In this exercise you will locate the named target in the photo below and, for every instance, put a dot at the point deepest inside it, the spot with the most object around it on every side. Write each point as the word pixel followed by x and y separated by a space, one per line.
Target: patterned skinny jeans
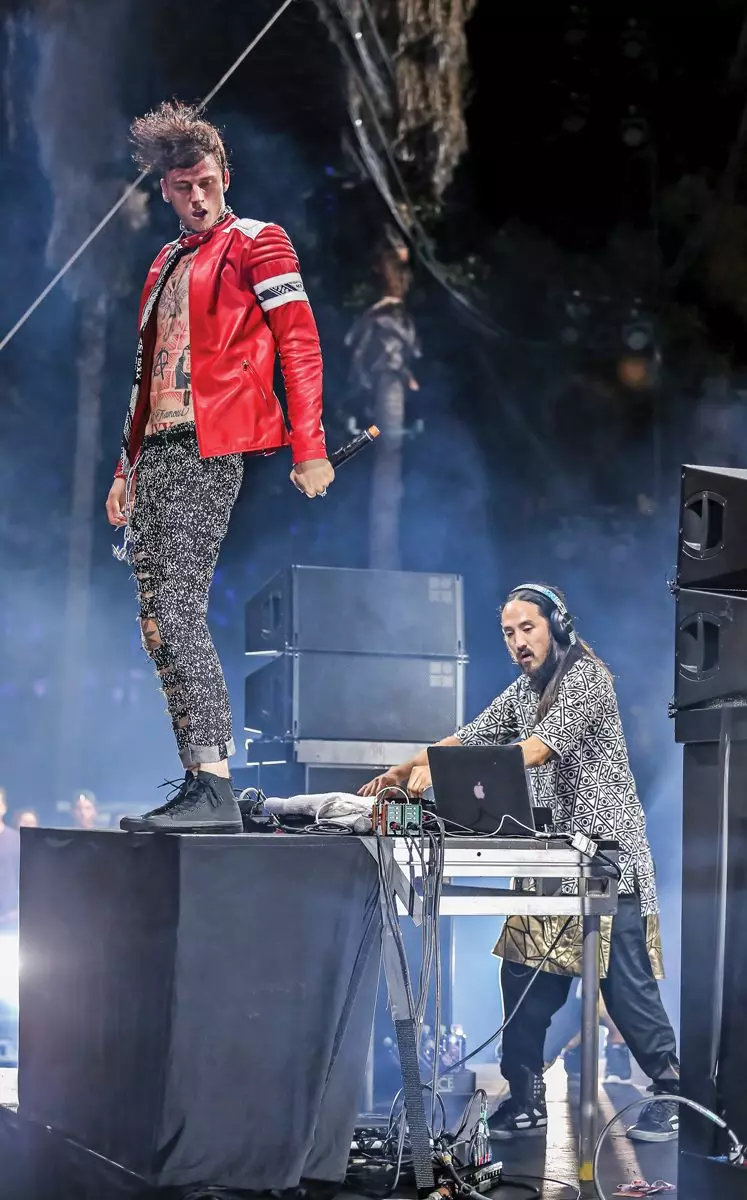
pixel 180 516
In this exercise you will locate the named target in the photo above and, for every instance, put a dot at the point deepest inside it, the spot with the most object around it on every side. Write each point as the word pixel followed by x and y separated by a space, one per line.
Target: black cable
pixel 393 1119
pixel 455 1066
pixel 469 1192
pixel 385 57
pixel 539 836
pixel 416 236
pixel 606 859
pixel 514 1179
pixel 334 830
pixel 514 1182
pixel 467 1109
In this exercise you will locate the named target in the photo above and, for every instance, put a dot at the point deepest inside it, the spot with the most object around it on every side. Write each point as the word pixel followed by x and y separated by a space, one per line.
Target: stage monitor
pixel 711 649
pixel 712 551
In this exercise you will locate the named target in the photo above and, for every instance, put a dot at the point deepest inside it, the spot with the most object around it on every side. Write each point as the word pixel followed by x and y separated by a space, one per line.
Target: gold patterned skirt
pixel 527 940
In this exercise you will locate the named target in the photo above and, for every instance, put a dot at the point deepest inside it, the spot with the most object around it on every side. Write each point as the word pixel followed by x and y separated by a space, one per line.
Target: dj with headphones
pixel 562 711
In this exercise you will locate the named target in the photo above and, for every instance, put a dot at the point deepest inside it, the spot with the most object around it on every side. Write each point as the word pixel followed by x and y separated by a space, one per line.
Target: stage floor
pixel 622 1160
pixel 556 1157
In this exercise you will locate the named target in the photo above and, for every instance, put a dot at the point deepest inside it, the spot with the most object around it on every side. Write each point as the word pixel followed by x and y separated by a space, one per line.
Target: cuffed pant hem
pixel 193 755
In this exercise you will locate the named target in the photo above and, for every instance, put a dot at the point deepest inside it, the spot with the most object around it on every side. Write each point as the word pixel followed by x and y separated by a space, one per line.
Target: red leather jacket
pixel 246 302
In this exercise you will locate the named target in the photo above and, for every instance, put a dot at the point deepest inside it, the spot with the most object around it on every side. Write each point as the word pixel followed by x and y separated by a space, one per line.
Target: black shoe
pixel 522 1114
pixel 205 803
pixel 659 1122
pixel 617 1063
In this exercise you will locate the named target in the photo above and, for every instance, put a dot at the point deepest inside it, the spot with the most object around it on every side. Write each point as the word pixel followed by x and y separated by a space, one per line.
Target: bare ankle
pixel 216 768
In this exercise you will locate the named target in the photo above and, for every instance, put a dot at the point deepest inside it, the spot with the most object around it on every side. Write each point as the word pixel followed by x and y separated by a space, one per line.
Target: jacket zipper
pixel 189 319
pixel 248 367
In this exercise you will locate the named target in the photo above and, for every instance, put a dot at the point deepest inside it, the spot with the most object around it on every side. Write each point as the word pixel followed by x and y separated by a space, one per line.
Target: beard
pixel 541 676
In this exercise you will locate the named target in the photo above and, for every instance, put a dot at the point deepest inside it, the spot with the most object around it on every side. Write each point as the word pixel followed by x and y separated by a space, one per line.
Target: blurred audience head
pixel 85 812
pixel 26 818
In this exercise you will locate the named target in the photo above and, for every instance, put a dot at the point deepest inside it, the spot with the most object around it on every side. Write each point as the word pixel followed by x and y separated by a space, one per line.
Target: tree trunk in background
pixel 387 487
pixel 74 659
pixel 406 70
pixel 429 45
pixel 384 346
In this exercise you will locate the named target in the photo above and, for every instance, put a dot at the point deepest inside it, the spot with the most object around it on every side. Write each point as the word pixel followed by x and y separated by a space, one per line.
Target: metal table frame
pixel 522 858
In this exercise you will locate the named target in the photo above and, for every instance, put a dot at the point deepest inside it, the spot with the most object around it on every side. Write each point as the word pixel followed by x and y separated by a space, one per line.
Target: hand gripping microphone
pixel 338 457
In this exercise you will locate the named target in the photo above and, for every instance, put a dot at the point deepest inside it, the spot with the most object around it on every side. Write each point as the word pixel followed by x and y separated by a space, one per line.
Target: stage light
pixel 577 115
pixel 9 970
pixel 634 129
pixel 634 40
pixel 639 335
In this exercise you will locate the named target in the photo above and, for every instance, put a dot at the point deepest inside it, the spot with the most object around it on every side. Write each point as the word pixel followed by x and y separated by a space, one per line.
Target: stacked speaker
pixel 349 670
pixel 710 710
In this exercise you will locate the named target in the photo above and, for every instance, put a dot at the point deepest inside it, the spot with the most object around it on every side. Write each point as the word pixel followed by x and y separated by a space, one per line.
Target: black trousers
pixel 630 993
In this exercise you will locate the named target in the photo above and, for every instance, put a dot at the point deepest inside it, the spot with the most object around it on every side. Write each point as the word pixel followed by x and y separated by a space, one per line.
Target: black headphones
pixel 561 621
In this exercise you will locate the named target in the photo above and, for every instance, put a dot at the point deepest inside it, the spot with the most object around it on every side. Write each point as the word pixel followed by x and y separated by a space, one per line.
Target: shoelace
pixel 194 794
pixel 182 787
pixel 659 1110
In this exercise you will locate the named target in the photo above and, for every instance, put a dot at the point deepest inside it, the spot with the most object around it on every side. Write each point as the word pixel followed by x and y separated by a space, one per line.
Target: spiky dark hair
pixel 174 135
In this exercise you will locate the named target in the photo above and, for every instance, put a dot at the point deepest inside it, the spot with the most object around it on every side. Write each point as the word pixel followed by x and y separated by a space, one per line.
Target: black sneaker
pixel 523 1114
pixel 659 1122
pixel 617 1063
pixel 204 804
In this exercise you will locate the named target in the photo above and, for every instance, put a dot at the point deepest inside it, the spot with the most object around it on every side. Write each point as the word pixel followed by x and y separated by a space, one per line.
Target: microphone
pixel 340 456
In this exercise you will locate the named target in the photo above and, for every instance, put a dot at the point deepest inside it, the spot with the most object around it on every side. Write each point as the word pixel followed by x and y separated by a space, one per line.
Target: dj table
pixel 543 861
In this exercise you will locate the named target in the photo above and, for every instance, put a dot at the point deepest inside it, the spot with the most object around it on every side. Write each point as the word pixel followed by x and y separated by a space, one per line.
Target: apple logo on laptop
pixel 479 791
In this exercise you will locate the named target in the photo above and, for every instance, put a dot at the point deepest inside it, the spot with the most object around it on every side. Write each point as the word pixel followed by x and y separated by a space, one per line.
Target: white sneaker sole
pixel 643 1135
pixel 505 1135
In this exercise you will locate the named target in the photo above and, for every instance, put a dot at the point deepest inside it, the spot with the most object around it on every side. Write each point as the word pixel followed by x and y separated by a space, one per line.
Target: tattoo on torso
pixel 171 377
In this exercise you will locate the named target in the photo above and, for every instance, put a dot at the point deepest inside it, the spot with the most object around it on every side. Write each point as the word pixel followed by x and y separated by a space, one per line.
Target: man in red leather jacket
pixel 217 306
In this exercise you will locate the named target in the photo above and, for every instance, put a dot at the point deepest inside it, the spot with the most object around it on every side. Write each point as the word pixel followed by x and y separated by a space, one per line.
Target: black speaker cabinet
pixel 355 697
pixel 713 1032
pixel 357 612
pixel 711 648
pixel 712 550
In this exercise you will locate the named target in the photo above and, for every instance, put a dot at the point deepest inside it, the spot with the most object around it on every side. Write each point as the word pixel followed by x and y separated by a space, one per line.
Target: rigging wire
pixel 136 183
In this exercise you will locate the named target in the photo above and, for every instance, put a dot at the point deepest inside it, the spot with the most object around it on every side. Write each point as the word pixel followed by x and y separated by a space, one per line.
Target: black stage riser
pixel 701 926
pixel 37 1165
pixel 199 1009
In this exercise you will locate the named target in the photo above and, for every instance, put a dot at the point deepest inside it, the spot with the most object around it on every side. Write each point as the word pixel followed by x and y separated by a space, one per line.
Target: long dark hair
pixel 564 655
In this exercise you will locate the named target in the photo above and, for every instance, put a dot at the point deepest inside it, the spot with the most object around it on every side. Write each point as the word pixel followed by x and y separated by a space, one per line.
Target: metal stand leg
pixel 400 999
pixel 589 1046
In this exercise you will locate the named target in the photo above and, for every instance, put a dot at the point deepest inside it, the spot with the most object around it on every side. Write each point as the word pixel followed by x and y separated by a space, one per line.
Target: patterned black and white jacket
pixel 588 782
